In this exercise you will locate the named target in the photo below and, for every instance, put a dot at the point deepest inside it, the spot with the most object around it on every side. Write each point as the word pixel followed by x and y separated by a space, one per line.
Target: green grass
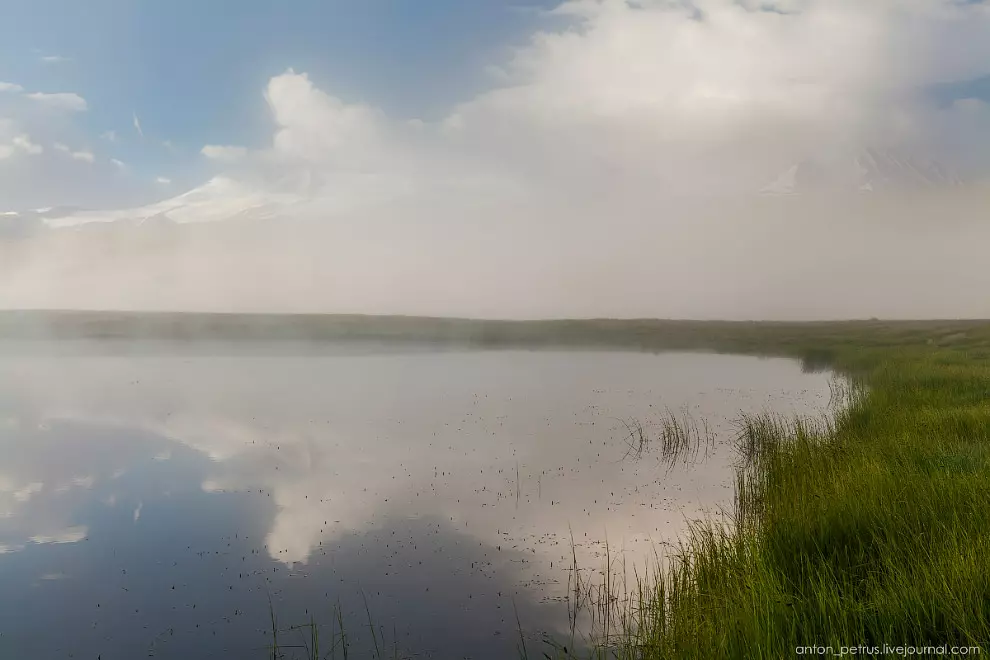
pixel 306 641
pixel 679 438
pixel 872 529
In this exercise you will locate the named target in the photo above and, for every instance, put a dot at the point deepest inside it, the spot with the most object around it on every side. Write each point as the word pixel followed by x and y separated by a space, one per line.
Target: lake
pixel 155 498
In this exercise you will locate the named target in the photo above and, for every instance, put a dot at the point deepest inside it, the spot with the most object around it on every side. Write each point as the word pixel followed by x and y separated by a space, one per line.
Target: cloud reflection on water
pixel 335 473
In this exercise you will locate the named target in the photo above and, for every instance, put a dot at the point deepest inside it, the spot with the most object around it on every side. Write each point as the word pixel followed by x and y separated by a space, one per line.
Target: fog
pixel 919 256
pixel 794 160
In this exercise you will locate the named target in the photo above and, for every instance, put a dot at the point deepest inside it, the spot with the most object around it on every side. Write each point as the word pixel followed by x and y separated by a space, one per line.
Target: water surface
pixel 153 499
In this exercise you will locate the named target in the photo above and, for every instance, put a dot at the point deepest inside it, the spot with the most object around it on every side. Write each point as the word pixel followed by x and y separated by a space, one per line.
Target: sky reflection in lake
pixel 150 501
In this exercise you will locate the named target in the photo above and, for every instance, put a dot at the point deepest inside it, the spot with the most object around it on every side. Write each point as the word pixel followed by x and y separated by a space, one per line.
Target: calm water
pixel 152 500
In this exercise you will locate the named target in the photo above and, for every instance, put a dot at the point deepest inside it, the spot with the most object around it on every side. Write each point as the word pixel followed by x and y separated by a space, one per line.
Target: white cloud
pixel 84 482
pixel 60 100
pixel 118 163
pixel 6 151
pixel 714 95
pixel 86 156
pixel 646 90
pixel 316 126
pixel 55 59
pixel 110 136
pixel 224 153
pixel 643 98
pixel 27 492
pixel 68 535
pixel 76 482
pixel 54 576
pixel 163 180
pixel 10 87
pixel 24 143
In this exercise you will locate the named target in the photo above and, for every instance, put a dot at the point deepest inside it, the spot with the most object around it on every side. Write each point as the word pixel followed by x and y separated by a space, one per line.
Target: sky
pixel 562 157
pixel 194 74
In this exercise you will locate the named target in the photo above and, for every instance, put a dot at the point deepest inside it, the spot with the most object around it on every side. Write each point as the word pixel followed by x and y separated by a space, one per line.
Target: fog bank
pixel 802 258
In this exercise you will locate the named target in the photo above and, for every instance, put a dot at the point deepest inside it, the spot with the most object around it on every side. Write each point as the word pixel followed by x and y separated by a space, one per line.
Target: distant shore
pixel 800 339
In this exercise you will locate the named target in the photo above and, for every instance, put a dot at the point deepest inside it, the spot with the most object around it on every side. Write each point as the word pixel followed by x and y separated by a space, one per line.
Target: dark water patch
pixel 167 569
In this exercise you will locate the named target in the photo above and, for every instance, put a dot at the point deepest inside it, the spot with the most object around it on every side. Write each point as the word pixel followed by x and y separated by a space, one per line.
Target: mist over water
pixel 153 500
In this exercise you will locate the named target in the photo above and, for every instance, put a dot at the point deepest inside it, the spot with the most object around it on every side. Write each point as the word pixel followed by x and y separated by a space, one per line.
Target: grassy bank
pixel 874 532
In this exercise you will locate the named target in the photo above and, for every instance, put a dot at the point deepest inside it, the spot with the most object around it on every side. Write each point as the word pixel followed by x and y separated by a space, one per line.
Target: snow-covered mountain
pixel 219 198
pixel 870 170
pixel 15 224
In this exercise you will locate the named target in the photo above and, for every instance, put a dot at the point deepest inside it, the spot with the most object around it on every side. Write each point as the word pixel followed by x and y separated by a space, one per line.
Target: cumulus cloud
pixel 163 180
pixel 10 87
pixel 316 126
pixel 635 98
pixel 700 95
pixel 640 97
pixel 60 100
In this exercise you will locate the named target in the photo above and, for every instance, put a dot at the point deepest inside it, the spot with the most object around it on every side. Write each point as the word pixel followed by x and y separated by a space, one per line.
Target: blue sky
pixel 194 71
